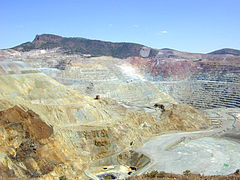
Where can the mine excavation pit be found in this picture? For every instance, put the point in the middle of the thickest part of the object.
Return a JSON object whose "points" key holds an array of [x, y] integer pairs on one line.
{"points": [[120, 166], [114, 172], [104, 106]]}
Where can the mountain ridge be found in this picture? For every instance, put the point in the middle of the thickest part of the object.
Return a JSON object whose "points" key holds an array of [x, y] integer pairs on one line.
{"points": [[79, 45], [225, 51], [85, 46]]}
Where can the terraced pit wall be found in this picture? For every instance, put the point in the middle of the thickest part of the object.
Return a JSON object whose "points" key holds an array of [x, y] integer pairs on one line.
{"points": [[203, 94]]}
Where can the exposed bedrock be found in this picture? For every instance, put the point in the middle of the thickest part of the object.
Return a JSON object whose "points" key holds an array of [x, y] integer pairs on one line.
{"points": [[49, 130], [24, 140], [123, 165], [31, 122]]}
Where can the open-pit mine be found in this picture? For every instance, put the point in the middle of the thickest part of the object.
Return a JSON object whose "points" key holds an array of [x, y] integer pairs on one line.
{"points": [[73, 108]]}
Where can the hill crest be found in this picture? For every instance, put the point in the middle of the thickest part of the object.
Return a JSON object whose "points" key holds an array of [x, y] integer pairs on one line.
{"points": [[226, 51], [86, 46]]}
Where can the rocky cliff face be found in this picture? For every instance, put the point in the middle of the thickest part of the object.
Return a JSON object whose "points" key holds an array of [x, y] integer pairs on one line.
{"points": [[186, 66], [23, 139], [49, 130]]}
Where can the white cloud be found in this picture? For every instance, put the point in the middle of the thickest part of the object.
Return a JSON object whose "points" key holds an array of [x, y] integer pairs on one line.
{"points": [[136, 26], [164, 32], [110, 25], [160, 33]]}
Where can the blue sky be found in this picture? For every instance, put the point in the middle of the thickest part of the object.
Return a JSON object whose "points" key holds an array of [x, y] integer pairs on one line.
{"points": [[186, 25]]}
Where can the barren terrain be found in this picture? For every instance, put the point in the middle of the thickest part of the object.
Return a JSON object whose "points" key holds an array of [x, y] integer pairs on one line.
{"points": [[79, 115]]}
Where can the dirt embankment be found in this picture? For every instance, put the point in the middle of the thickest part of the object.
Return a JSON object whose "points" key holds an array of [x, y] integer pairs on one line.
{"points": [[186, 176]]}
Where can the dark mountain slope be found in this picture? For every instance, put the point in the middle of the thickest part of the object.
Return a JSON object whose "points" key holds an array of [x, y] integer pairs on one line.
{"points": [[225, 51], [84, 46]]}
